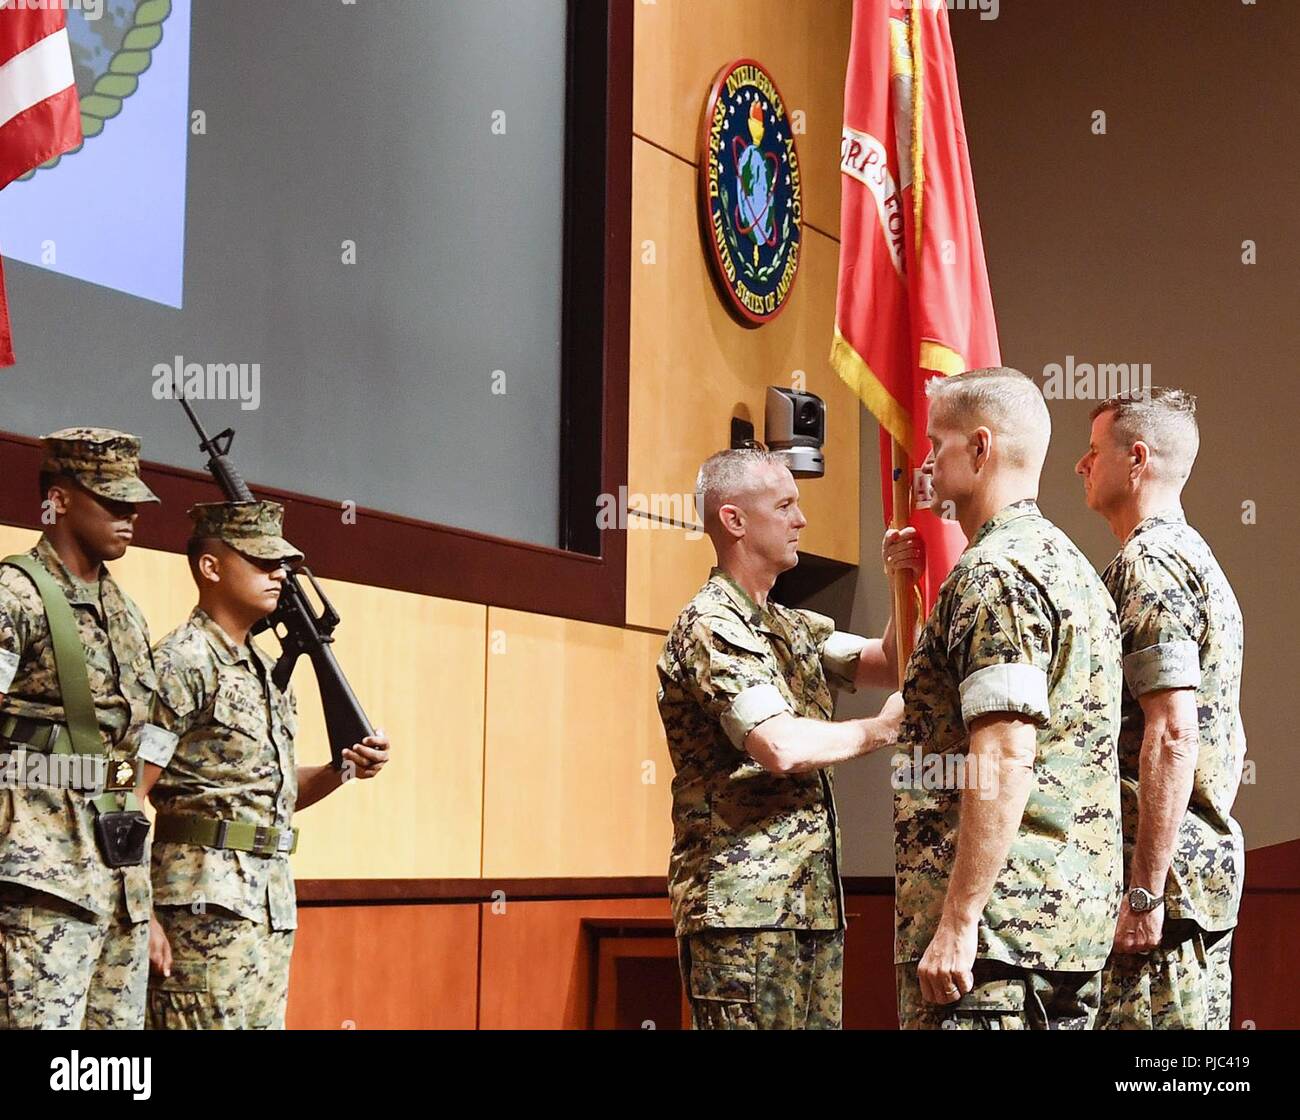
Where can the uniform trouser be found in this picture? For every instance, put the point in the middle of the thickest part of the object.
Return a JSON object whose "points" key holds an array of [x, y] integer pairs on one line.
{"points": [[63, 968], [1185, 984], [228, 973], [1004, 998], [772, 979]]}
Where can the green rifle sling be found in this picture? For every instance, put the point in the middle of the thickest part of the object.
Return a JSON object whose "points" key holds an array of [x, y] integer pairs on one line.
{"points": [[69, 657]]}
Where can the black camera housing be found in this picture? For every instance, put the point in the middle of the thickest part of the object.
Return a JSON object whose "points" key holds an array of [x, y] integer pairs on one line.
{"points": [[795, 426]]}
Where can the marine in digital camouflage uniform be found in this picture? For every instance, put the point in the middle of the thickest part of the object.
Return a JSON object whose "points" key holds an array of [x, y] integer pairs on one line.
{"points": [[1022, 625], [754, 875], [74, 931], [1181, 628], [1006, 810], [751, 850], [223, 891]]}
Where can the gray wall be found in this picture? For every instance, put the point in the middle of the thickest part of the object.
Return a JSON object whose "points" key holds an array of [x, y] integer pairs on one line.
{"points": [[1127, 247], [370, 122]]}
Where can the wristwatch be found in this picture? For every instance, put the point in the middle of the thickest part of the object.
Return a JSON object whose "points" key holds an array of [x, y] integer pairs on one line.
{"points": [[1140, 900]]}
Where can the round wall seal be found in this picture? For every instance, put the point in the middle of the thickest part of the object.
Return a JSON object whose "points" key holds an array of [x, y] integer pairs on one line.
{"points": [[110, 51], [751, 203]]}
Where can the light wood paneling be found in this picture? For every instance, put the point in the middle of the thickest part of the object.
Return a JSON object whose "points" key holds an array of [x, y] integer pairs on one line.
{"points": [[666, 566], [385, 968], [573, 730], [693, 366], [681, 45], [417, 663], [536, 963]]}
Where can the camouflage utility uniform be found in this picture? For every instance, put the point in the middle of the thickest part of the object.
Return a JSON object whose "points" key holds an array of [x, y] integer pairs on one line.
{"points": [[1181, 628], [1022, 626], [754, 874], [225, 900], [73, 931]]}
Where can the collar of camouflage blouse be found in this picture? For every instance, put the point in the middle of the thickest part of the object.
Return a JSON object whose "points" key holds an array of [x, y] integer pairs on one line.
{"points": [[1007, 513], [755, 616], [1164, 517], [80, 592], [228, 651]]}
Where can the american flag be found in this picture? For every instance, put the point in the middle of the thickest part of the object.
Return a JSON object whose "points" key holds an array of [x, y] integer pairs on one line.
{"points": [[40, 116]]}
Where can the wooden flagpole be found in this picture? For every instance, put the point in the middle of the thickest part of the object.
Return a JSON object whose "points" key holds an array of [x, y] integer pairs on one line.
{"points": [[904, 587]]}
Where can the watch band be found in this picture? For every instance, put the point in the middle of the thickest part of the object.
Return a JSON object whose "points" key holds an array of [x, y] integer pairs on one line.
{"points": [[1150, 900]]}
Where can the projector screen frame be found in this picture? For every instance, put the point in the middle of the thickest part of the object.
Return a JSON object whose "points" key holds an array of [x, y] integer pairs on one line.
{"points": [[585, 579]]}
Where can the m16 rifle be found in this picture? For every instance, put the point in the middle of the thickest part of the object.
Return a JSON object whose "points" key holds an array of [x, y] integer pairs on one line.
{"points": [[300, 628]]}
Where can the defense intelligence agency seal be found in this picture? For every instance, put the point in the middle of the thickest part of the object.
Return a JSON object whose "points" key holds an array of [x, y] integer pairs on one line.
{"points": [[751, 204]]}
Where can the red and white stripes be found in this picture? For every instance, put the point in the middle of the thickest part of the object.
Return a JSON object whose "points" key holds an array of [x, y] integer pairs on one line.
{"points": [[39, 113]]}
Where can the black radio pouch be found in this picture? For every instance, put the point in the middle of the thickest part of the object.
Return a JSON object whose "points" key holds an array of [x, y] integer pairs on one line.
{"points": [[120, 837]]}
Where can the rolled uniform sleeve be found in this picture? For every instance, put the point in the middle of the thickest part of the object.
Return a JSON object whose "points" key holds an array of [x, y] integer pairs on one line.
{"points": [[840, 657], [156, 744], [13, 638], [1000, 642], [8, 657], [1158, 620], [839, 650], [733, 676], [175, 709]]}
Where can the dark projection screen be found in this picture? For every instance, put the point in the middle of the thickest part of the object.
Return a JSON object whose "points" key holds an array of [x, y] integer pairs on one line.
{"points": [[363, 201]]}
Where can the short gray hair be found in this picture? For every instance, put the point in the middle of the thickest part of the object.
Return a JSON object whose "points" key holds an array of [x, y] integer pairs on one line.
{"points": [[1162, 418], [728, 475], [1002, 399]]}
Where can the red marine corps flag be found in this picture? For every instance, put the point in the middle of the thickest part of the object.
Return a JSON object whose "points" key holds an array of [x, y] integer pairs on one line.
{"points": [[914, 293], [40, 116]]}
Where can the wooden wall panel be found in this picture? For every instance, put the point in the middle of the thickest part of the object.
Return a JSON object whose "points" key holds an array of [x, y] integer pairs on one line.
{"points": [[571, 726], [417, 663], [681, 45], [870, 1002], [516, 994], [1264, 962], [384, 968], [694, 366], [665, 567], [1263, 950], [535, 966]]}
